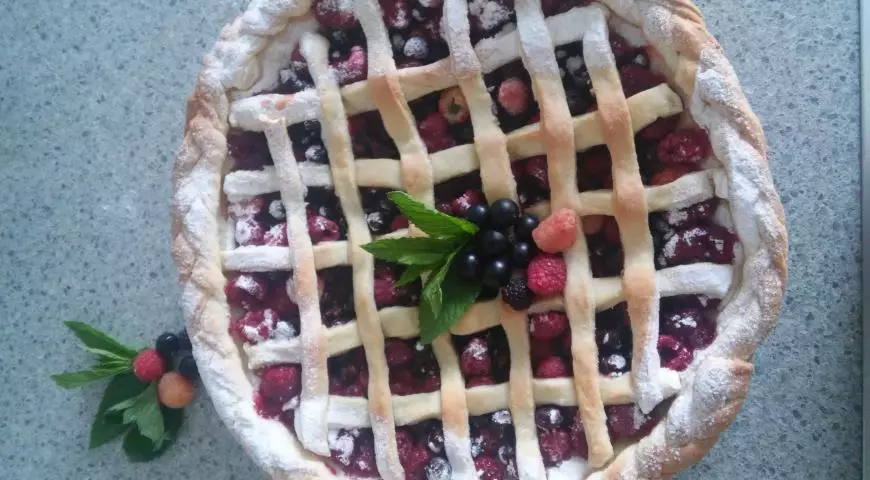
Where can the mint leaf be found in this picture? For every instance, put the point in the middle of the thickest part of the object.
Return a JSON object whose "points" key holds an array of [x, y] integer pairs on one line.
{"points": [[432, 289], [98, 372], [144, 411], [140, 448], [411, 250], [411, 274], [431, 221], [107, 427], [458, 294], [97, 340]]}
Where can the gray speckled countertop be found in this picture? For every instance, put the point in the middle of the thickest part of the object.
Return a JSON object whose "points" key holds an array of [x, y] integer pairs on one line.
{"points": [[90, 114]]}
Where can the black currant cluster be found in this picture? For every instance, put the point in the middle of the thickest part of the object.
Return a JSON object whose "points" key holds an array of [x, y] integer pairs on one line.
{"points": [[177, 346], [503, 244]]}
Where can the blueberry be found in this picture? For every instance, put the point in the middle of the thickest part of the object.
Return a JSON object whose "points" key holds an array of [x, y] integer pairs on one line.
{"points": [[416, 48], [187, 368], [377, 223], [492, 242], [504, 212], [184, 341], [167, 344], [469, 265], [497, 273], [316, 154], [525, 225], [477, 214], [522, 254]]}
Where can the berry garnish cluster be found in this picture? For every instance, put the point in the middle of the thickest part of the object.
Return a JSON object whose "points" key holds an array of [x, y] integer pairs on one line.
{"points": [[503, 243], [145, 398]]}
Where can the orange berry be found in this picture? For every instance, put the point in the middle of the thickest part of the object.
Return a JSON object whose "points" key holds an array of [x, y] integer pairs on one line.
{"points": [[175, 391]]}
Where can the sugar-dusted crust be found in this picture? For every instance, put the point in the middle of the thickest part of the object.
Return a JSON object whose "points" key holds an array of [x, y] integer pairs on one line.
{"points": [[713, 388]]}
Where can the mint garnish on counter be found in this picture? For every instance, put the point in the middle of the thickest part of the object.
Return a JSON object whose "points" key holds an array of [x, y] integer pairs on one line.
{"points": [[446, 294]]}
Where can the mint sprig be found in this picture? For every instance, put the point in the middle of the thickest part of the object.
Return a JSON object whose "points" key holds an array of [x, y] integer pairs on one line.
{"points": [[129, 407], [446, 294]]}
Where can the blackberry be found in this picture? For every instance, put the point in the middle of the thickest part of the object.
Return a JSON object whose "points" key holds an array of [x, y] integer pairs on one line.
{"points": [[517, 294]]}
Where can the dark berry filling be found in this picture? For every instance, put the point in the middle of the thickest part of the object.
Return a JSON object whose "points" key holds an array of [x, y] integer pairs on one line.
{"points": [[489, 17], [369, 137], [295, 77], [260, 220], [614, 341], [353, 451], [689, 235], [575, 78], [556, 434], [553, 7], [457, 195], [248, 150], [413, 367], [484, 357], [279, 389], [594, 169], [605, 247], [414, 28], [387, 294], [421, 451], [326, 221], [336, 295], [627, 421], [550, 344], [533, 185], [267, 312], [349, 374], [382, 215], [493, 445], [307, 142], [511, 90], [443, 120]]}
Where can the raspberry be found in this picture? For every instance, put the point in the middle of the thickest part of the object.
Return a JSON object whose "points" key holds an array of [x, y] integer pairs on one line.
{"points": [[386, 293], [549, 325], [398, 353], [475, 358], [149, 365], [404, 442], [611, 231], [336, 14], [468, 198], [488, 469], [694, 214], [255, 327], [322, 229], [399, 223], [674, 354], [546, 275], [278, 300], [551, 367], [595, 163], [353, 67], [249, 232], [697, 244], [557, 232], [452, 106], [430, 383], [517, 294], [536, 167], [659, 129], [668, 175], [636, 79], [578, 437], [415, 459], [277, 236], [481, 380], [397, 13], [363, 463], [281, 382], [433, 131], [513, 96], [684, 147], [401, 382], [555, 446], [175, 391]]}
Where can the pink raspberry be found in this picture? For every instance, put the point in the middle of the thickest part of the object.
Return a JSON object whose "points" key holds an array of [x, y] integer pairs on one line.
{"points": [[552, 367], [149, 365], [415, 460], [548, 325], [513, 96], [674, 355], [684, 147], [281, 382], [398, 353], [555, 446], [337, 14], [475, 358], [277, 236], [433, 131], [488, 469], [353, 67], [621, 420], [557, 232], [547, 275], [246, 291]]}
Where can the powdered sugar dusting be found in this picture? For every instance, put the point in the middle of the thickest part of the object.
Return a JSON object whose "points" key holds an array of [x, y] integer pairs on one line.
{"points": [[490, 13], [535, 43]]}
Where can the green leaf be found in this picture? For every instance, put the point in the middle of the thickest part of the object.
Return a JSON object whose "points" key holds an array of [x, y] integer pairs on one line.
{"points": [[140, 448], [458, 294], [411, 250], [431, 221], [107, 427], [432, 289], [84, 377], [411, 274], [144, 411], [95, 339]]}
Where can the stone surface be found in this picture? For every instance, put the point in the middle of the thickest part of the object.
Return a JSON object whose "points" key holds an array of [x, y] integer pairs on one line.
{"points": [[92, 104]]}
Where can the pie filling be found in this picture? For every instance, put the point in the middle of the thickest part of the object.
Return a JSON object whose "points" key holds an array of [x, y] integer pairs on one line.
{"points": [[263, 311]]}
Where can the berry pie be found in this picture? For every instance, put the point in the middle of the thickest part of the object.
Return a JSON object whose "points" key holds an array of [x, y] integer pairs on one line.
{"points": [[637, 258]]}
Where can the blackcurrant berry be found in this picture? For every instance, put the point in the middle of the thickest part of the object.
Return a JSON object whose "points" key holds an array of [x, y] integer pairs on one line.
{"points": [[477, 214], [187, 368], [497, 273], [504, 212], [167, 344], [487, 293], [184, 341], [493, 242], [525, 225], [469, 265], [523, 252]]}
